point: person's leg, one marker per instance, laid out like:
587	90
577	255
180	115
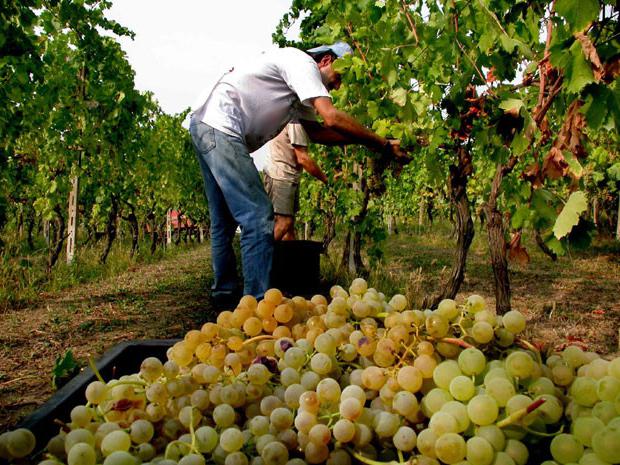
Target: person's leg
223	225
284	229
234	172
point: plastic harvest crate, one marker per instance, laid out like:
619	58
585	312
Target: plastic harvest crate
122	359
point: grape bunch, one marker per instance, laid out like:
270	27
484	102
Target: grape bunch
358	378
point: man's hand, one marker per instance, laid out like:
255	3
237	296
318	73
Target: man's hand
394	150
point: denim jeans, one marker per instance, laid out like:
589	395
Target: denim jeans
236	197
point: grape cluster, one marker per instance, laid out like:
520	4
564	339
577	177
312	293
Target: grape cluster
356	379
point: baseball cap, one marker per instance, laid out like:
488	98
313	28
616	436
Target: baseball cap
339	49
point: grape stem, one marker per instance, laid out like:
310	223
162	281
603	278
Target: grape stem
457	342
369	461
93	366
262	337
519	414
544	435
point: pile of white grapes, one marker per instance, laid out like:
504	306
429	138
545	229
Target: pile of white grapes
358	379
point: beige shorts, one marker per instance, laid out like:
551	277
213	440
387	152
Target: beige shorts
283	194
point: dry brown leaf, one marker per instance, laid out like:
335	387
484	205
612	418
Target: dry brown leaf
555	165
516	252
532	175
589	50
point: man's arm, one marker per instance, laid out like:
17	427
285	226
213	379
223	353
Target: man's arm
351	130
308	164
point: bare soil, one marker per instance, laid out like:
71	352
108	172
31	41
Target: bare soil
155	301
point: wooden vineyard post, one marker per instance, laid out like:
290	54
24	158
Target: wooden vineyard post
306	230
72	223
168	227
46	232
201	234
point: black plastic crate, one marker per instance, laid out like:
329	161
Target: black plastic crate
296	267
122	359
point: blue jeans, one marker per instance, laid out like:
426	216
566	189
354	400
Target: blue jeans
236	197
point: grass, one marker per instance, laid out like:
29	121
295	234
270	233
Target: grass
24	278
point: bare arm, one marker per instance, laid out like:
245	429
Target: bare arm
352	131
308	164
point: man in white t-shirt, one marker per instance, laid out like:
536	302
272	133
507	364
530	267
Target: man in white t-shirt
247	107
288	157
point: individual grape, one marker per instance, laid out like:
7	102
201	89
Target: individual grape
462	388
519	365
17	443
426	364
583	428
410	378
459	412
482	409
445	372
605	411
450	448
320	434
236	458
289	376
551	410
472	361
589	458
315	453
115	441
141	431
501	390
292	395
426	442
328	390
513	321
192	459
224	415
597	368
605	444
448	309
96	392
120	457
145	452
405	439
310	401
350	408
479	451
494	435
386	424
269	403
151	369
281	418
584	391
304	421
482	332
502	458
82	454
373	377
344	430
398	302
206	439
434	400
541	386
321	363
405	403
336	457
358	286
565	448
190	417
442	423
283	313
517	450
81	415
475	303
437	326
273	297
608	388
231	440
253	326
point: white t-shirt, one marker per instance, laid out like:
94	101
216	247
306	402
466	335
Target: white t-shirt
255	100
282	161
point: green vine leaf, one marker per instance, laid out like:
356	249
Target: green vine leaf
569	216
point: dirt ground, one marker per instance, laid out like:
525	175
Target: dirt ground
155	301
576	298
